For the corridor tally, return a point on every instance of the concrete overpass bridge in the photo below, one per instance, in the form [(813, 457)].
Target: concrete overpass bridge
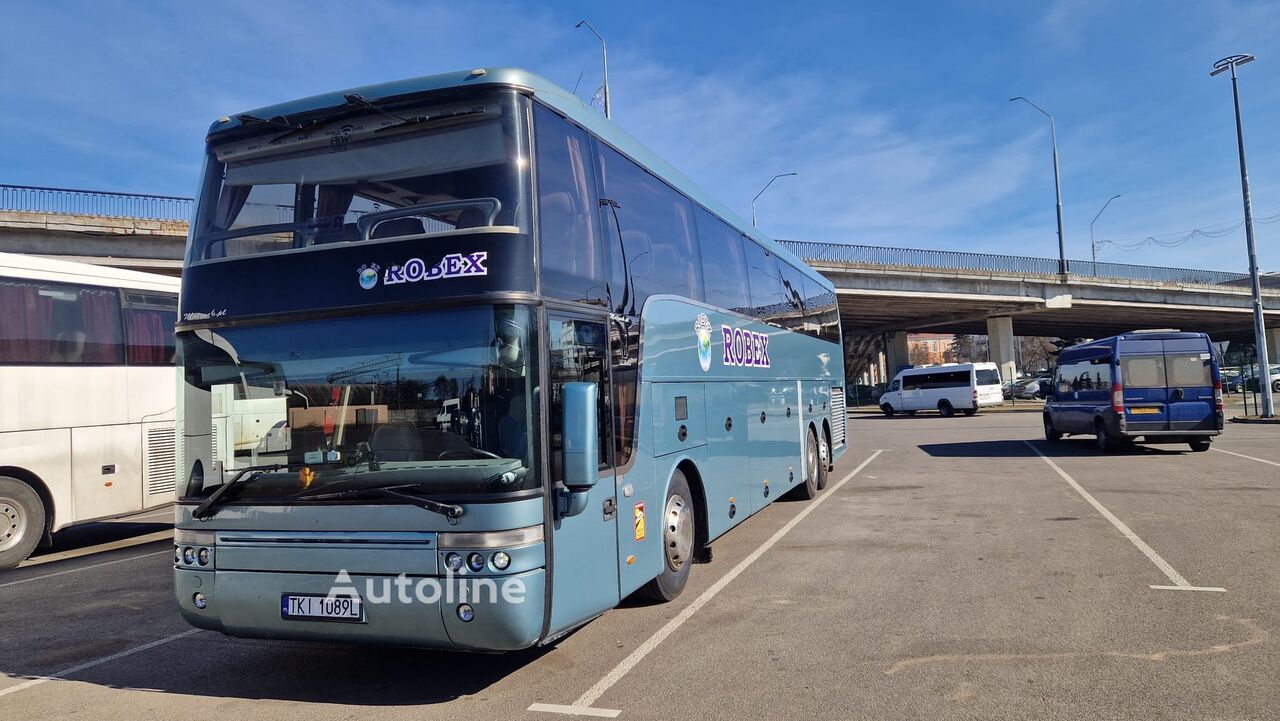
[(884, 293)]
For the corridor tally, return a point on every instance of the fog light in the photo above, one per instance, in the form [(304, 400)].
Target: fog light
[(475, 562), (189, 556), (453, 561), (501, 560), (203, 556), (199, 601), (466, 612)]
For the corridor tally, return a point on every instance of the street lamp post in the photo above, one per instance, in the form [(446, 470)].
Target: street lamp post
[(604, 52), (766, 187), (1057, 182), (1093, 244), (1259, 325)]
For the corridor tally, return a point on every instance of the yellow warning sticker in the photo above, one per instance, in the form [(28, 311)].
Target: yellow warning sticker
[(639, 520)]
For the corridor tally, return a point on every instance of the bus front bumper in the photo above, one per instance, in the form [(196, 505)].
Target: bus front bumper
[(416, 611)]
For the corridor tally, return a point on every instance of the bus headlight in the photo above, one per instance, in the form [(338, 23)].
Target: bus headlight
[(466, 612), (453, 561), (199, 601), (500, 561), (189, 556), (475, 562), (203, 556)]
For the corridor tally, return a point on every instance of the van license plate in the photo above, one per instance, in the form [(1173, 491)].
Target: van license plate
[(347, 608), (1144, 411)]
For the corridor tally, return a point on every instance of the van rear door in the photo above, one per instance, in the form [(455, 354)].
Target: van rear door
[(1188, 366), (1146, 394)]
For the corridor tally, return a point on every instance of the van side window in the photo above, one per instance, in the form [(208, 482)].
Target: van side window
[(896, 385), (1143, 371)]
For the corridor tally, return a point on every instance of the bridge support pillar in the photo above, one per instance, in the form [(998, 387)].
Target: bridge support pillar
[(897, 354), (1000, 340), (1273, 344)]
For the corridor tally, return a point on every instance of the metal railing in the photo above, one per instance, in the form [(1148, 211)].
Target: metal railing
[(70, 201), (1015, 264)]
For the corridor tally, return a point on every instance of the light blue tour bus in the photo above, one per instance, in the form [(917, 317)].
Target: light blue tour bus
[(510, 366)]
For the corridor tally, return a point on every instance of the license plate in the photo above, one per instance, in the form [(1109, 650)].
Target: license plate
[(347, 608), (1144, 411)]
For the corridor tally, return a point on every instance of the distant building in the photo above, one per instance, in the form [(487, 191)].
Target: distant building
[(930, 348)]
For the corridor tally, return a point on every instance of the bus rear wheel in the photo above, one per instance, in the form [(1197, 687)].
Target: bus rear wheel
[(808, 489), (679, 534), (21, 521)]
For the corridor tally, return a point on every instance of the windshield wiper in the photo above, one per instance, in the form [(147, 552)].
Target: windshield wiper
[(450, 511), (278, 121), (208, 507)]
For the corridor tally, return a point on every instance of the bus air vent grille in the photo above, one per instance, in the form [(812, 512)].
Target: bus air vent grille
[(160, 470), (838, 416)]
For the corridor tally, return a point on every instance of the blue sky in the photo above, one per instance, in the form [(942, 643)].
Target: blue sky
[(895, 115)]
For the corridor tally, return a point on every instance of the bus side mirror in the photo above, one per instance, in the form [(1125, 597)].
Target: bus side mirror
[(581, 439)]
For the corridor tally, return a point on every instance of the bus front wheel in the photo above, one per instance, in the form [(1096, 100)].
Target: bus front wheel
[(21, 521), (679, 526)]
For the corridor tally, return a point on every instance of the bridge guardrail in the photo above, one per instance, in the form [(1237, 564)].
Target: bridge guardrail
[(961, 260), (71, 201)]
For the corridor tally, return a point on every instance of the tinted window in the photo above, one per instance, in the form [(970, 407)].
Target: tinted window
[(768, 301), (59, 324), (821, 310), (573, 266), (987, 376), (1086, 375), (795, 317), (150, 335), (654, 229), (724, 265), (1143, 371)]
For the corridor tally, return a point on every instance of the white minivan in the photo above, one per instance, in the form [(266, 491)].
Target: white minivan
[(948, 388)]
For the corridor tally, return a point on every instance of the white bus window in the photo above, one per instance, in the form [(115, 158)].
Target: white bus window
[(43, 323), (150, 336)]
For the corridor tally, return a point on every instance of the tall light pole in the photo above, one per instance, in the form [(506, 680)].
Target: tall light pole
[(1057, 182), (766, 187), (1259, 325), (1093, 243), (604, 51)]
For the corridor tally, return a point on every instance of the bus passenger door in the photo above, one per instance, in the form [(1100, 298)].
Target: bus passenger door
[(584, 565)]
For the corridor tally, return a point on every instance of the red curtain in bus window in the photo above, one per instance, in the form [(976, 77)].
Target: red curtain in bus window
[(100, 312), (26, 319), (150, 336)]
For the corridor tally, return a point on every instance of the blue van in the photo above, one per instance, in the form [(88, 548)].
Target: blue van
[(1162, 386)]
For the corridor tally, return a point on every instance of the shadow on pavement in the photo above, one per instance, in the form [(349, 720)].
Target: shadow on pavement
[(1067, 448)]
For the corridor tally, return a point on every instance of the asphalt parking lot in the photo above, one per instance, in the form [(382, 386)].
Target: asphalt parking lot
[(966, 570)]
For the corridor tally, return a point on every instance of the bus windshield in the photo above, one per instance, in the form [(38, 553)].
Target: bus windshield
[(436, 399), (368, 173)]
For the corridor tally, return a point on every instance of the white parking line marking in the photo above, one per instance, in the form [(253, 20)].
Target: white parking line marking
[(1241, 455), (1148, 551), (86, 568), (1189, 588), (96, 662), (575, 710), (100, 548), (644, 649)]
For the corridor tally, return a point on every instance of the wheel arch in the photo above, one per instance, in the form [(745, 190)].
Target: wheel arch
[(694, 479), (42, 490)]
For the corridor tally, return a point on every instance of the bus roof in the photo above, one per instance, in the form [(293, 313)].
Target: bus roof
[(552, 95), (34, 267)]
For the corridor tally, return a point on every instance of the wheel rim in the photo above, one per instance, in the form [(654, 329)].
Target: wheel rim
[(14, 521), (677, 532)]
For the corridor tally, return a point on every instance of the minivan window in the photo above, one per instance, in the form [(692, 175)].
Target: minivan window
[(1186, 369), (1143, 371), (988, 376)]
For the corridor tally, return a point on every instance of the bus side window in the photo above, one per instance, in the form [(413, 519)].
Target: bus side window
[(724, 266), (44, 323), (768, 300), (572, 256)]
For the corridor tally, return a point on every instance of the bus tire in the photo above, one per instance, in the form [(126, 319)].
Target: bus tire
[(886, 409), (944, 408), (824, 460), (807, 489), (679, 539), (22, 520)]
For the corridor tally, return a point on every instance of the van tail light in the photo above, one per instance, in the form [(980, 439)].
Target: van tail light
[(1117, 398), (1217, 395)]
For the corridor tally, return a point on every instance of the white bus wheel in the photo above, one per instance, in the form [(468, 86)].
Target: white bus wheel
[(21, 521)]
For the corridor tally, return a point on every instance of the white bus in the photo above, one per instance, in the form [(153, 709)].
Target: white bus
[(947, 388), (86, 396)]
